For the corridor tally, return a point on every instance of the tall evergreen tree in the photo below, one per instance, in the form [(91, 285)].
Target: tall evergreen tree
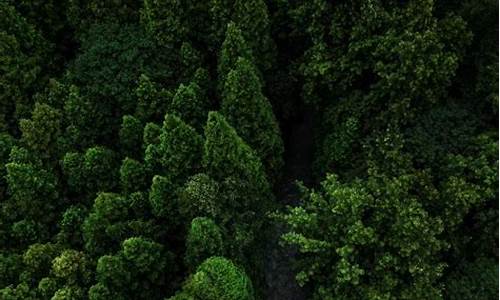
[(251, 114)]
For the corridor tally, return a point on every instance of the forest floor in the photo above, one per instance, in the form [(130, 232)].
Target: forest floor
[(280, 276)]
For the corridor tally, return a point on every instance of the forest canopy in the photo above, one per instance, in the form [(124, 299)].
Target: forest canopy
[(249, 149)]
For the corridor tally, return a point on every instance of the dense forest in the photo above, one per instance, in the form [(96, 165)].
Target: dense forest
[(248, 149)]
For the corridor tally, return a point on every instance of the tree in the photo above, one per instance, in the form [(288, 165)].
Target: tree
[(339, 225), (108, 91), (34, 197), (204, 240), (164, 20), (138, 264), (100, 167), (22, 51), (131, 133), (178, 153), (113, 219), (233, 47), (227, 156), (217, 278), (199, 198), (41, 133), (251, 114), (190, 105), (152, 100), (163, 199), (252, 18), (133, 176)]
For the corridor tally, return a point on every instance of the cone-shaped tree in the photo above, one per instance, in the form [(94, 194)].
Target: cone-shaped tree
[(133, 176), (40, 133), (204, 240), (220, 16), (101, 169), (190, 105), (251, 114), (252, 18), (21, 52), (131, 136), (233, 47), (152, 101), (178, 153), (162, 198), (217, 279), (227, 155)]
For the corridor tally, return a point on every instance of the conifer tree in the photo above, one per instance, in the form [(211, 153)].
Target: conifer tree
[(251, 114), (190, 105), (217, 278), (253, 20), (227, 155), (178, 152), (22, 52), (140, 263), (41, 133), (204, 240), (233, 47), (133, 176), (131, 132), (164, 19)]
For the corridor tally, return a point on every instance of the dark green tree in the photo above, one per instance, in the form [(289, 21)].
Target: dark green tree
[(251, 114), (233, 47), (217, 278), (136, 271), (131, 134), (203, 241), (190, 105), (178, 153), (41, 133), (133, 176), (22, 51)]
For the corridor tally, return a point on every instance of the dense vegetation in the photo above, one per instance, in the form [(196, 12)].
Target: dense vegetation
[(143, 146)]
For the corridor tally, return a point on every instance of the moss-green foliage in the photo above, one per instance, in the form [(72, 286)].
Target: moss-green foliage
[(152, 101), (251, 114), (217, 278), (199, 197), (233, 47), (190, 105), (163, 198), (108, 90), (22, 51), (252, 17), (139, 264), (131, 135), (204, 240), (178, 152), (338, 224), (112, 219), (142, 149), (82, 14), (165, 20), (227, 156), (41, 133), (133, 176)]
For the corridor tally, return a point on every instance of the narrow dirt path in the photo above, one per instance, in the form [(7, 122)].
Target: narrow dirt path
[(280, 276)]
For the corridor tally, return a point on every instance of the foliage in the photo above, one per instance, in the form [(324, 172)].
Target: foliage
[(248, 110), (149, 149), (217, 278), (379, 217), (204, 240)]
